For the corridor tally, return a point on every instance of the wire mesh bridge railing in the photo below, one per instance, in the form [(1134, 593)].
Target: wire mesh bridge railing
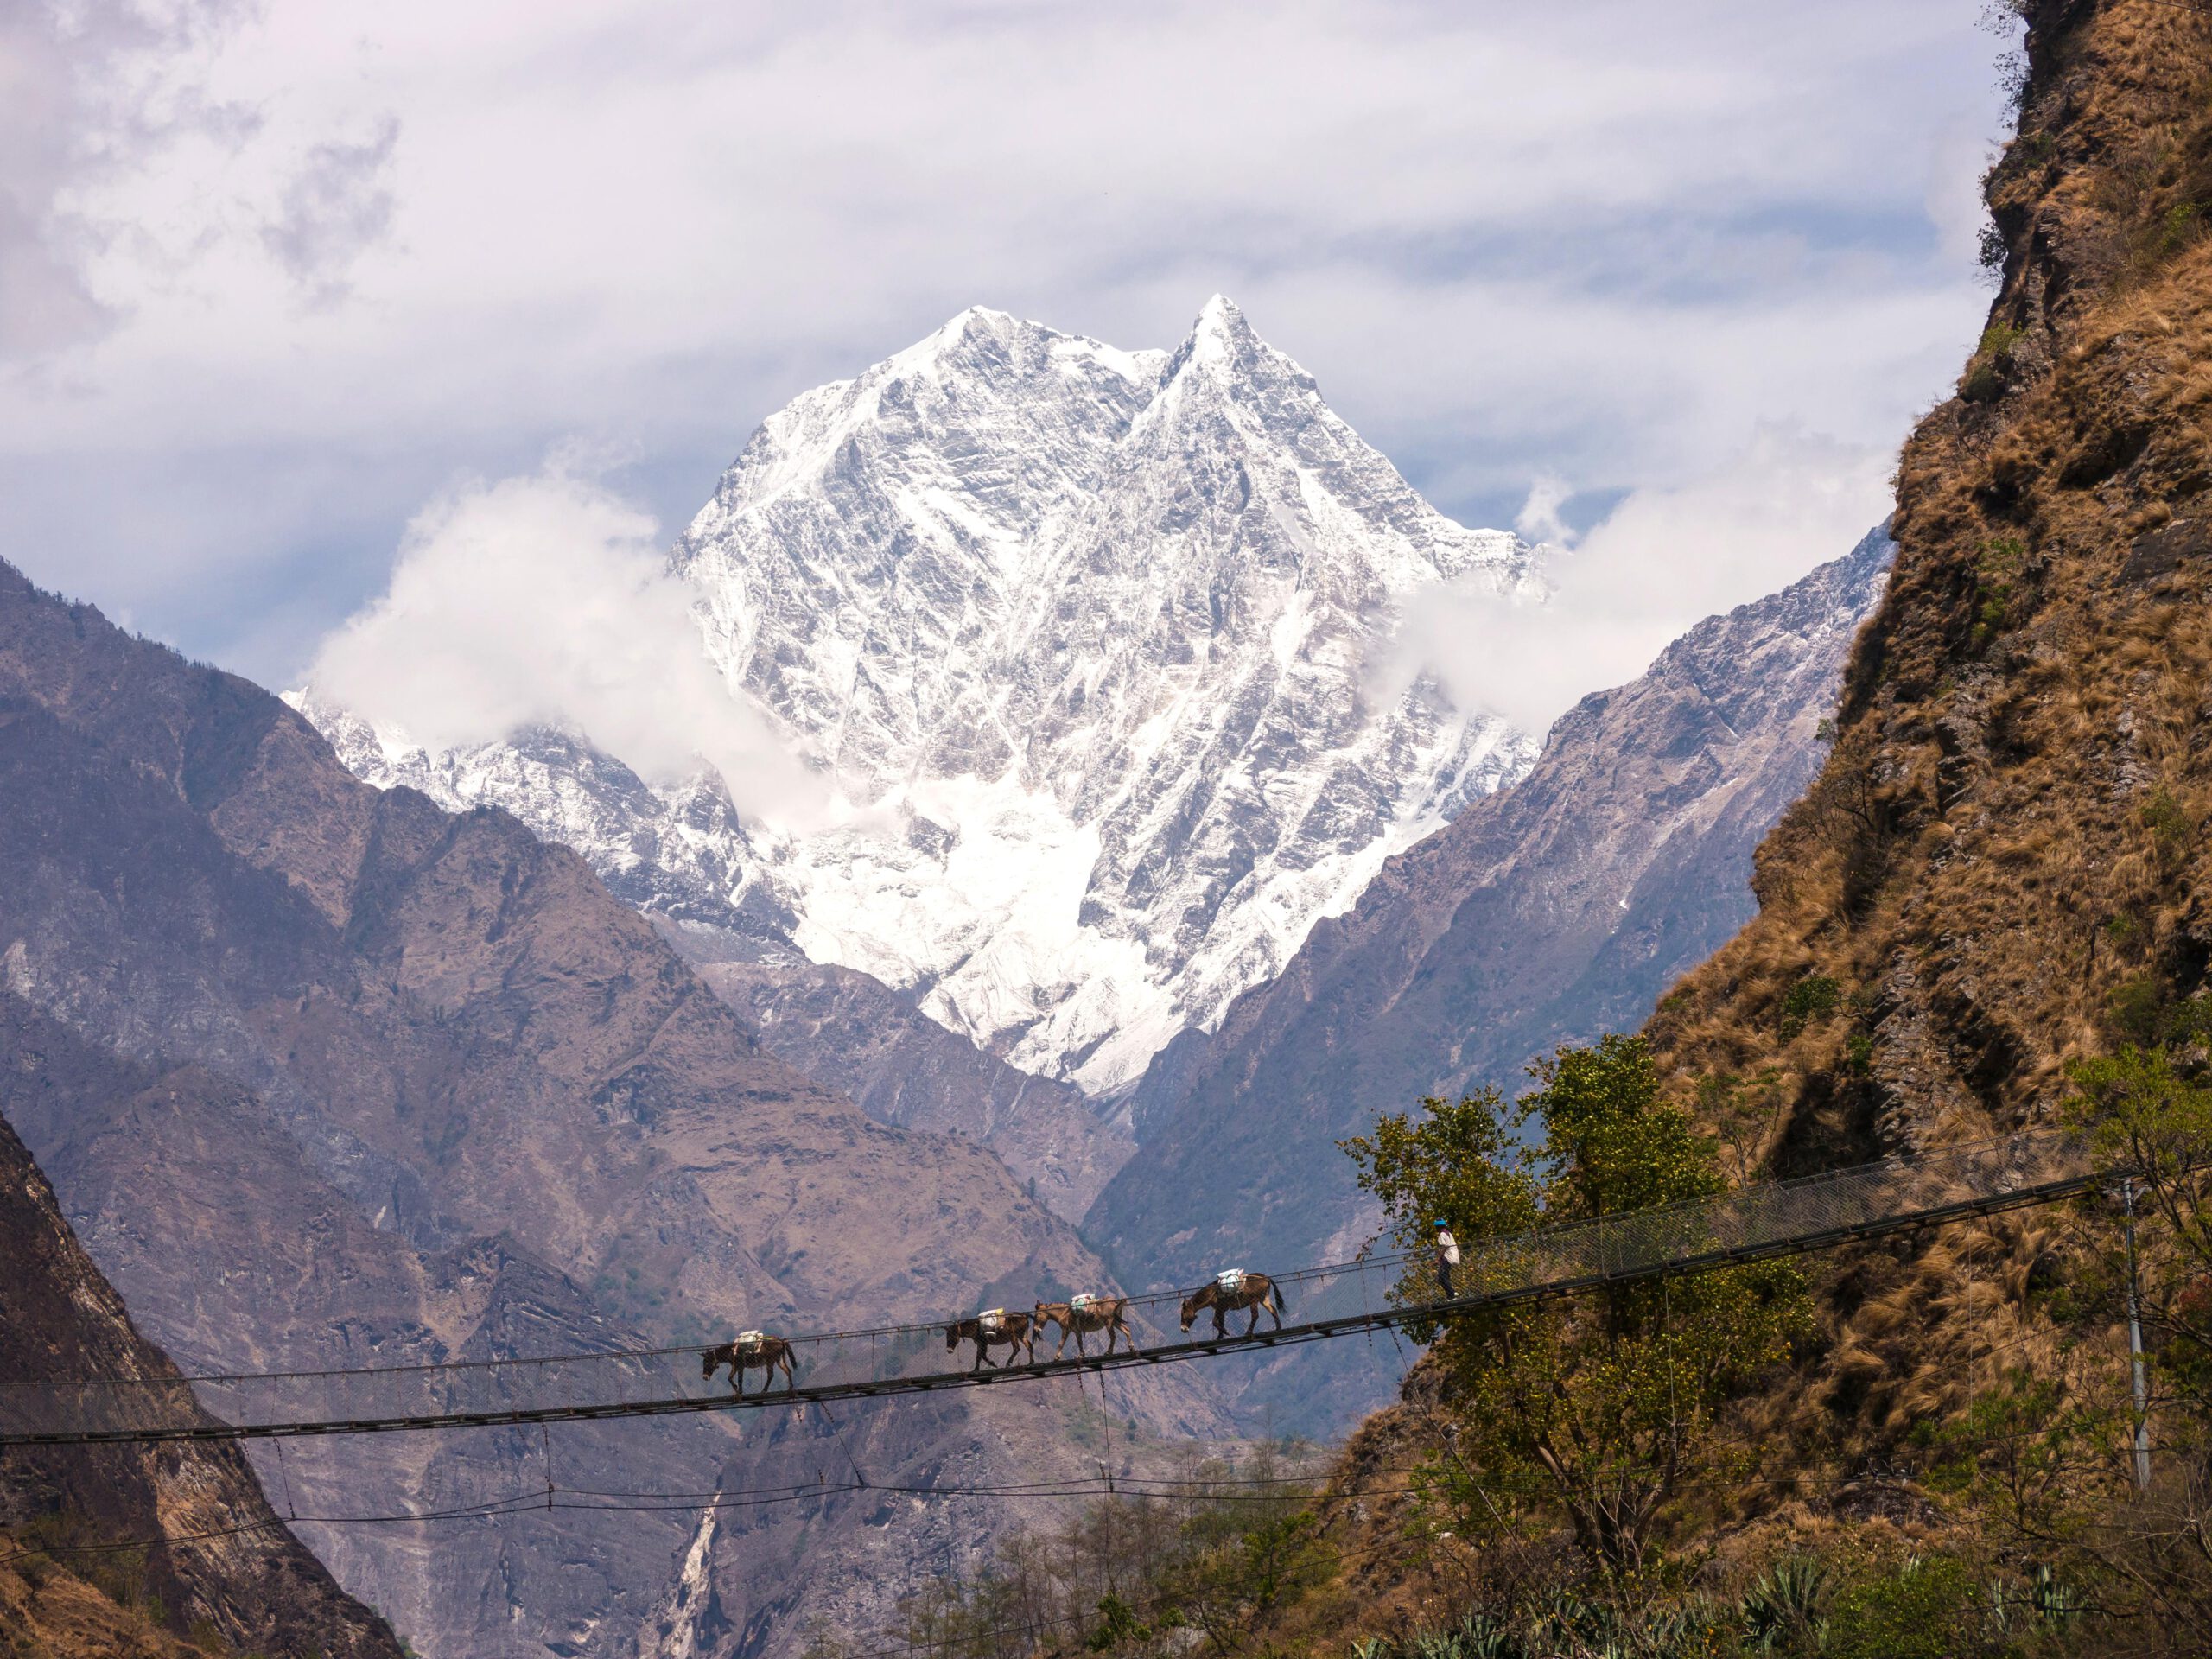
[(1749, 1224)]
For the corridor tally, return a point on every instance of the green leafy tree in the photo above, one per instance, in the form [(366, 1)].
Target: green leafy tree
[(1600, 1407), (1928, 1607), (1222, 1589), (1457, 1163), (1138, 1578), (2150, 1112)]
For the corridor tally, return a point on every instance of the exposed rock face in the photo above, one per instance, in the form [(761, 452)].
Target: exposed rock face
[(859, 1036), (386, 1084), (1085, 643), (844, 1028), (1556, 910), (229, 1569)]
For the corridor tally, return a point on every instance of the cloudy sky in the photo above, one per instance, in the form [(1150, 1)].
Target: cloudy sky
[(277, 279)]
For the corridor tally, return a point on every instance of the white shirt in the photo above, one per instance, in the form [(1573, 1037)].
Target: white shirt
[(1449, 1246)]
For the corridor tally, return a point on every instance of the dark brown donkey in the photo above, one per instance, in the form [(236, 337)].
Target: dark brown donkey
[(1017, 1332), (1107, 1313), (769, 1354), (1256, 1291)]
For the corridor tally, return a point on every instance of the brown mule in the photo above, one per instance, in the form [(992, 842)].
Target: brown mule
[(769, 1354), (1256, 1291), (1017, 1332), (1107, 1313)]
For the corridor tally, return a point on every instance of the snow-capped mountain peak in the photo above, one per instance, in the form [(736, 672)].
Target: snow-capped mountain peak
[(1080, 637)]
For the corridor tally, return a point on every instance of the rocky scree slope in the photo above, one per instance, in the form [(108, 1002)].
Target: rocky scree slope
[(1086, 645), (1558, 909), (2006, 851), (346, 1079), (154, 1550)]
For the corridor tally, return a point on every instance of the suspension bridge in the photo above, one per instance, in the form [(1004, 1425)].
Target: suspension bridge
[(1749, 1224)]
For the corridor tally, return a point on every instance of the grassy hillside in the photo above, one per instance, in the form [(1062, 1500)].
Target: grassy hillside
[(2000, 872)]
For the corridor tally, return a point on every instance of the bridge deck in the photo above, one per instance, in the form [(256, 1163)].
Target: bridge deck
[(1749, 1224)]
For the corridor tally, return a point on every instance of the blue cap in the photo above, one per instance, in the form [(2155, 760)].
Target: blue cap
[(1439, 1224)]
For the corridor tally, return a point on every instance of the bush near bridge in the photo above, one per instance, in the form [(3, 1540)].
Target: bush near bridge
[(1595, 1410), (2008, 1525)]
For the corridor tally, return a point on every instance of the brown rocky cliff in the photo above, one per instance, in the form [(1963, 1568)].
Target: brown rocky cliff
[(2005, 849), (2037, 674), (129, 1573), (2007, 842)]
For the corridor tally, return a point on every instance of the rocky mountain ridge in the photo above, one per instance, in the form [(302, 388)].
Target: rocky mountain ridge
[(1092, 651), (853, 1034), (336, 1077), (1558, 909)]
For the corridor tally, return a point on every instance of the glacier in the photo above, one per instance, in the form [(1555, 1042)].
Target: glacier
[(1083, 646)]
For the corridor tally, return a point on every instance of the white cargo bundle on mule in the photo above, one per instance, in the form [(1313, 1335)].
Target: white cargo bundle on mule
[(750, 1341), (992, 1319), (1080, 1300), (1229, 1279)]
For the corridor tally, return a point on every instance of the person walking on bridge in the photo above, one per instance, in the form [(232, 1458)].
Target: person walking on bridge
[(1447, 1257)]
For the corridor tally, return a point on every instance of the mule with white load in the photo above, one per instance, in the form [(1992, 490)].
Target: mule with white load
[(1086, 1312), (994, 1327), (1232, 1289), (752, 1350)]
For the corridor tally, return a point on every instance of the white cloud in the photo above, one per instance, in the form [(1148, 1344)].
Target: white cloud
[(1663, 560), (1506, 239), (44, 298), (90, 93), (545, 601), (1539, 519)]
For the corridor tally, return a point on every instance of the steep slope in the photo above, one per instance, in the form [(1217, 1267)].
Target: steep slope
[(2002, 865), (147, 1547), (844, 1028), (1085, 643), (389, 1084), (855, 1034), (1556, 909)]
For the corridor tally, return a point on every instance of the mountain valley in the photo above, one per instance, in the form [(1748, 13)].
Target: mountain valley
[(336, 1078)]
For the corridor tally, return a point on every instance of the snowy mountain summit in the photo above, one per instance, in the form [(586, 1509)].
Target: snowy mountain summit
[(1085, 641)]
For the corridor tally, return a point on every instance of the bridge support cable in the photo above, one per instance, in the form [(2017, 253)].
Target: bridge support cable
[(1749, 1224)]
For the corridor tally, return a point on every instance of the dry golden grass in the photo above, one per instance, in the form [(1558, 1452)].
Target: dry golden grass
[(48, 1613), (1977, 862)]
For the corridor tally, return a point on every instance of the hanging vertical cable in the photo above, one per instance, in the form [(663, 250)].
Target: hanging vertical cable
[(284, 1476), (839, 1431)]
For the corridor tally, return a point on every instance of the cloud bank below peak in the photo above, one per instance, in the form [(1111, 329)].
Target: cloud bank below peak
[(1659, 562), (544, 600)]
